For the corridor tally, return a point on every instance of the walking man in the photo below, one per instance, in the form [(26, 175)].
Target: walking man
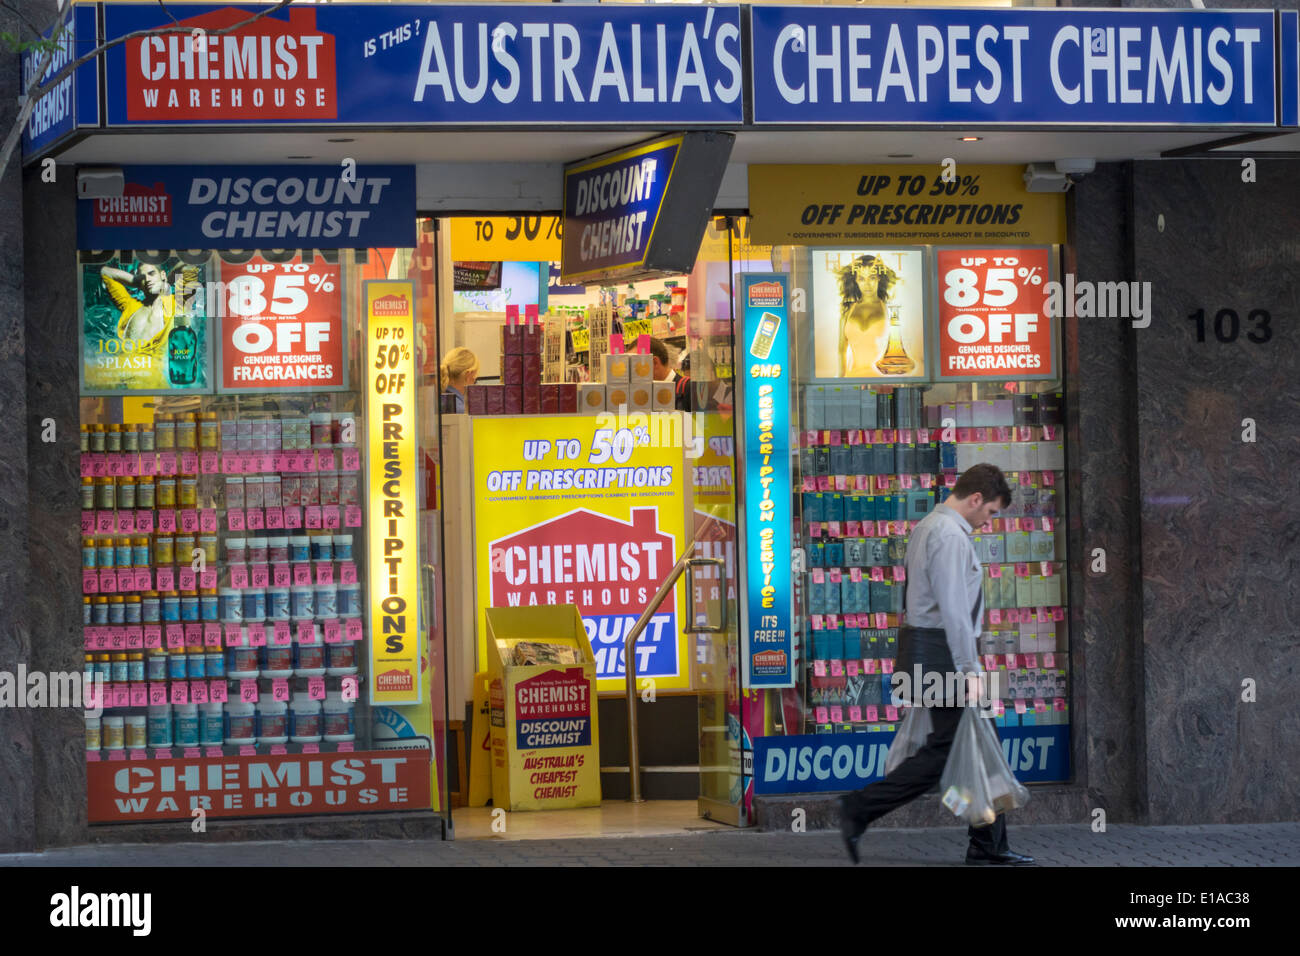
[(945, 611)]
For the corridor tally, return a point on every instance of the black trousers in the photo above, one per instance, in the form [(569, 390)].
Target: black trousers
[(918, 774)]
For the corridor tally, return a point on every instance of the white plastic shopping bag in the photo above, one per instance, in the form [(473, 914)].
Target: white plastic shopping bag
[(911, 737), (977, 784)]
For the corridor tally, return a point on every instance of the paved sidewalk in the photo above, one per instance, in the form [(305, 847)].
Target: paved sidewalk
[(1276, 844)]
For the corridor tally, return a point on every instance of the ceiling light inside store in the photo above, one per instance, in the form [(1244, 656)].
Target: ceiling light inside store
[(899, 155), (971, 139)]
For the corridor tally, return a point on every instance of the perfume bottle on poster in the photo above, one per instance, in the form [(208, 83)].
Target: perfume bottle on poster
[(867, 286)]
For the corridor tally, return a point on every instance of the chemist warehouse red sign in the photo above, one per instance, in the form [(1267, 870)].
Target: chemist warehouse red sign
[(129, 791), (993, 317), (553, 710), (608, 567), (282, 327), (269, 70)]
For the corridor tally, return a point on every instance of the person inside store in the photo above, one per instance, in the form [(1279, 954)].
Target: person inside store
[(664, 372), (458, 372), (944, 604)]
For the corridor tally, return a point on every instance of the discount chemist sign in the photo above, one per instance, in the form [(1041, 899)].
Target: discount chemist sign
[(242, 207), (395, 658)]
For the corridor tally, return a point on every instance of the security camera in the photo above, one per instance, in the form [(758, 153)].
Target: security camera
[(100, 182), (1042, 178), (1076, 167)]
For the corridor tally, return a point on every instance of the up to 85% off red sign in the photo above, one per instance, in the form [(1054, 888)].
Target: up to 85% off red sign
[(282, 326), (993, 317)]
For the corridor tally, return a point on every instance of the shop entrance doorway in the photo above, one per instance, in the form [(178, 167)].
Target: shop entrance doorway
[(613, 484)]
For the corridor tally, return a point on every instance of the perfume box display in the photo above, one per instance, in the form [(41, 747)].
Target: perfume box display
[(617, 369), (640, 369), (591, 398)]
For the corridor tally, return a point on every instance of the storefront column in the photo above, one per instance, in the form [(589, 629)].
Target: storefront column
[(16, 739), (1108, 738), (58, 733)]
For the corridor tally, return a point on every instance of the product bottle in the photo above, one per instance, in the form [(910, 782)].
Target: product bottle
[(182, 353)]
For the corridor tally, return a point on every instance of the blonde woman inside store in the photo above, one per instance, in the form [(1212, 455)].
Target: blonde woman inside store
[(458, 372)]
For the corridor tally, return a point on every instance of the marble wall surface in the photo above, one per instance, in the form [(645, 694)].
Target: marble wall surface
[(1105, 622), (17, 810), (1220, 515), (54, 605)]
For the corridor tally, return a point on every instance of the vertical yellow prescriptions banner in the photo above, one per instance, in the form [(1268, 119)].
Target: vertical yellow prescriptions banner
[(393, 493)]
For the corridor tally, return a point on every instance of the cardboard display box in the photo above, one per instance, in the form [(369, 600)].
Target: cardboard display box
[(545, 738)]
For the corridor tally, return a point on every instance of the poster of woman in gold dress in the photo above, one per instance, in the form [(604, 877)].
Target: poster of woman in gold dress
[(868, 318)]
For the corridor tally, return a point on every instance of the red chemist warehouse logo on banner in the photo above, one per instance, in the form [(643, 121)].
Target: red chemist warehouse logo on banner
[(392, 306), (769, 662), (269, 70), (766, 295), (609, 568), (138, 205), (395, 680)]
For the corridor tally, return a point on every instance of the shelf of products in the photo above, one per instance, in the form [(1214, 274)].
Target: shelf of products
[(874, 461), (222, 561)]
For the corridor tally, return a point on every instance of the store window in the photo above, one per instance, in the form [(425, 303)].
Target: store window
[(911, 363), (259, 609)]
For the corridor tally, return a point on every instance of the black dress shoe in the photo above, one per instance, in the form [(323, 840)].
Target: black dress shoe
[(851, 829), (978, 857)]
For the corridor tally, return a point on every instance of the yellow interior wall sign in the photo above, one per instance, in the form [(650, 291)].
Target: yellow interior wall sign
[(954, 203), (393, 590), (506, 238)]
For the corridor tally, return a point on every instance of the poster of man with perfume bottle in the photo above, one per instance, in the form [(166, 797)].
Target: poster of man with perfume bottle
[(143, 326), (868, 310)]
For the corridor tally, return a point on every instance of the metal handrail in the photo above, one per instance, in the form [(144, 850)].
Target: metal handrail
[(684, 564)]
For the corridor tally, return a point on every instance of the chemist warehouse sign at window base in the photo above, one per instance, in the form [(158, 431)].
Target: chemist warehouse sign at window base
[(135, 791), (569, 511)]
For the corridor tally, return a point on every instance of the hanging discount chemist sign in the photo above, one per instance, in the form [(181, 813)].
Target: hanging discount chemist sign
[(282, 326), (994, 323)]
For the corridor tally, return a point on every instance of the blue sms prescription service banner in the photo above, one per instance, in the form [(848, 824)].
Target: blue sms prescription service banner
[(768, 639)]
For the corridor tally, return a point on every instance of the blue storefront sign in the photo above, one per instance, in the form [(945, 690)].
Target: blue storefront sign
[(368, 64), (1289, 69), (74, 100), (254, 207), (611, 208), (819, 763), (765, 324), (847, 64)]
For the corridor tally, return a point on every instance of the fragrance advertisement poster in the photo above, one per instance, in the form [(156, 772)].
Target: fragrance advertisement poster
[(586, 510), (144, 326), (993, 317), (282, 327), (868, 310)]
